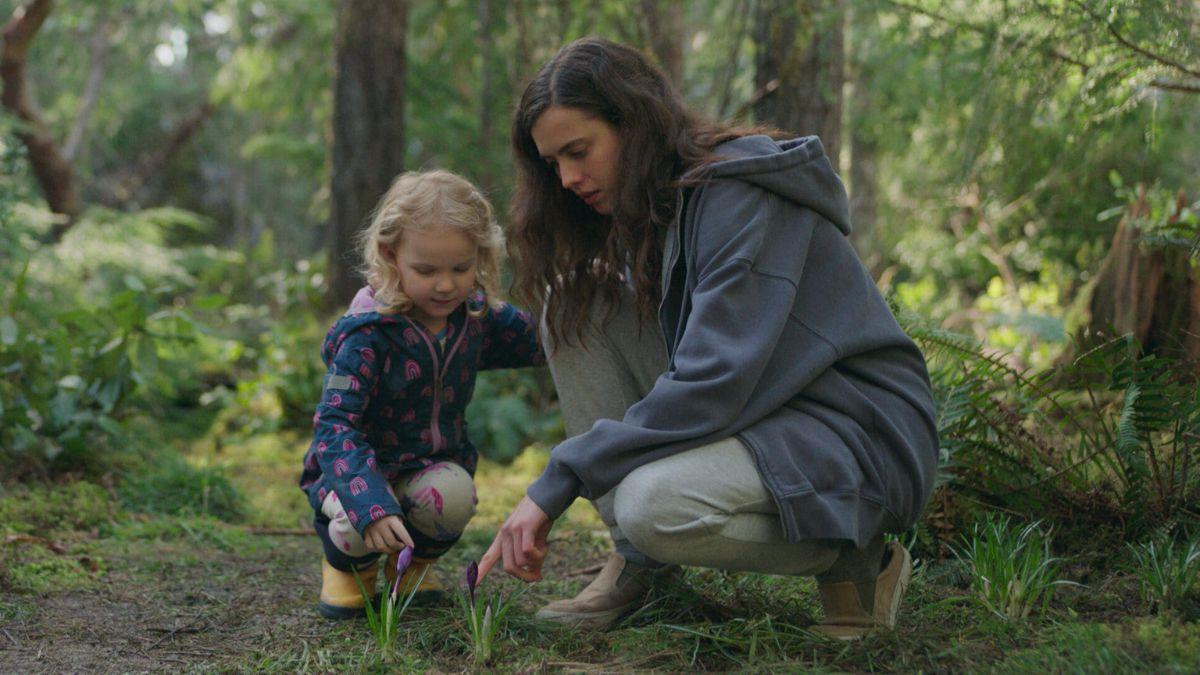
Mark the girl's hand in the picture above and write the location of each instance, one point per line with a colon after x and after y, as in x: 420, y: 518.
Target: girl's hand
x: 387, y: 535
x: 521, y: 542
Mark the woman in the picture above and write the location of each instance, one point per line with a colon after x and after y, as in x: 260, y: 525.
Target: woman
x: 775, y: 418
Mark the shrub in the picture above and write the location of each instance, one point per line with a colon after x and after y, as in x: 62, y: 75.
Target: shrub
x: 511, y: 409
x: 1105, y: 438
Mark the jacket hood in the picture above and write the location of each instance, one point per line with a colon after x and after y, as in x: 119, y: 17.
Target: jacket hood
x: 362, y: 312
x: 795, y: 169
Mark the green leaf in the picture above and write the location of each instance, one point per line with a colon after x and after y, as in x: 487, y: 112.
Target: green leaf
x: 134, y: 283
x: 147, y: 355
x: 62, y: 408
x: 212, y: 302
x: 108, y: 394
x: 71, y: 382
x: 111, y: 345
x: 8, y: 330
x: 108, y: 425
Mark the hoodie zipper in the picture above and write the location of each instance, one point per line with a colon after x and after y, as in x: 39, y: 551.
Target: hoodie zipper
x: 439, y: 374
x: 669, y: 269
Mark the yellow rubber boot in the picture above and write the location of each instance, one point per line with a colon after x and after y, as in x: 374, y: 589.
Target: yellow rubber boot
x: 429, y: 588
x: 341, y: 595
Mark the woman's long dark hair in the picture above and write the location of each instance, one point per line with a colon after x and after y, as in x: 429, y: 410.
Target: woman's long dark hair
x: 560, y: 244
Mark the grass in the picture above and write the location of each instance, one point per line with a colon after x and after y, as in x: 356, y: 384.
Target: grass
x: 190, y: 591
x: 1013, y: 573
x: 1169, y: 574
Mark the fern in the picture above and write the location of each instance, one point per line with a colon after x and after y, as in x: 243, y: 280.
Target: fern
x: 1110, y: 435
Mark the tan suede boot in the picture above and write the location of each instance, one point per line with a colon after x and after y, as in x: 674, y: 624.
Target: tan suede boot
x: 845, y: 617
x: 341, y: 595
x: 619, y: 588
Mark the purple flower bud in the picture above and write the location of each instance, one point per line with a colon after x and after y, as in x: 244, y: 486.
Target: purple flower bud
x: 403, y: 560
x: 472, y: 578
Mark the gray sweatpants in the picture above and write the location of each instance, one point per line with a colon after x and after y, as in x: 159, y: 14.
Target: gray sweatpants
x: 705, y: 507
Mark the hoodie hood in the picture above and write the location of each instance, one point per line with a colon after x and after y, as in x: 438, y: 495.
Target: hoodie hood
x: 795, y: 169
x: 362, y: 312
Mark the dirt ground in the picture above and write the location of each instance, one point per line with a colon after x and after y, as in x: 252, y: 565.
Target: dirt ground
x: 178, y: 605
x: 163, y: 608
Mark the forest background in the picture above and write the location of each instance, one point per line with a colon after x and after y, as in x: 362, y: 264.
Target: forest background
x: 181, y: 181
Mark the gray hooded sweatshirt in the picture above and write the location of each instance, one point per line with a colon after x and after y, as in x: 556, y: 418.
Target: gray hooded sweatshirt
x: 777, y: 336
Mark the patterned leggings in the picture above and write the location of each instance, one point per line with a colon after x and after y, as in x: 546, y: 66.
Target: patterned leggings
x: 438, y: 502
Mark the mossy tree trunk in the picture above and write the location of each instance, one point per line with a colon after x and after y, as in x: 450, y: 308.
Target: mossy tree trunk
x: 800, y: 68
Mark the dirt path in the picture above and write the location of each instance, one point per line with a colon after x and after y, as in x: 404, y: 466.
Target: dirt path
x: 168, y: 606
x: 241, y: 602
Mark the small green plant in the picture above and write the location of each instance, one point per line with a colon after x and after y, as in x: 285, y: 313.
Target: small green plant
x: 1013, y: 572
x: 174, y: 486
x: 385, y: 622
x: 484, y: 617
x: 1167, y: 573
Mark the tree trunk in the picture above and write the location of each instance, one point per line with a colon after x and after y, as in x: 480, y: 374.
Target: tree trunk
x: 368, y: 126
x: 487, y: 126
x: 53, y: 172
x: 1150, y: 293
x: 800, y: 69
x: 864, y: 144
x: 663, y: 21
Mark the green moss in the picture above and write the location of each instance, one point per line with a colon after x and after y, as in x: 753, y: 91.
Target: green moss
x: 1175, y: 646
x: 74, y: 506
x: 204, y: 532
x: 1142, y: 646
x: 37, y: 570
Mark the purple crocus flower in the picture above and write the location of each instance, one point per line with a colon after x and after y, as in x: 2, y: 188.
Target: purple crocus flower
x: 472, y: 578
x: 403, y: 560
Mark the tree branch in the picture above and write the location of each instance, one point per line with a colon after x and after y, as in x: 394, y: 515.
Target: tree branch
x: 53, y: 172
x: 1176, y: 86
x: 988, y: 32
x: 98, y: 55
x: 153, y: 162
x: 1129, y: 44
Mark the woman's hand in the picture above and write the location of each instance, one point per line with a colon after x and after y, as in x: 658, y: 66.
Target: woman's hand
x: 387, y: 535
x: 521, y: 542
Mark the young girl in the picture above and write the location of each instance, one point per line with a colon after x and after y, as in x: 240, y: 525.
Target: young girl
x: 390, y: 463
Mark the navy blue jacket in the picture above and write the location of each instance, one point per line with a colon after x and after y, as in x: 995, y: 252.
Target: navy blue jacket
x: 395, y: 399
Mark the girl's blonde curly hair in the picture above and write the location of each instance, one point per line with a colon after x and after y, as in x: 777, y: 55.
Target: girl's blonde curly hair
x: 422, y: 201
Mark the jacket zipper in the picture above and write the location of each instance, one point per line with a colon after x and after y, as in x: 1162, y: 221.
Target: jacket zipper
x: 439, y: 373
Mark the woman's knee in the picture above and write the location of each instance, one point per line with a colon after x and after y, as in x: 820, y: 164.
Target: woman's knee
x: 652, y: 513
x: 438, y: 501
